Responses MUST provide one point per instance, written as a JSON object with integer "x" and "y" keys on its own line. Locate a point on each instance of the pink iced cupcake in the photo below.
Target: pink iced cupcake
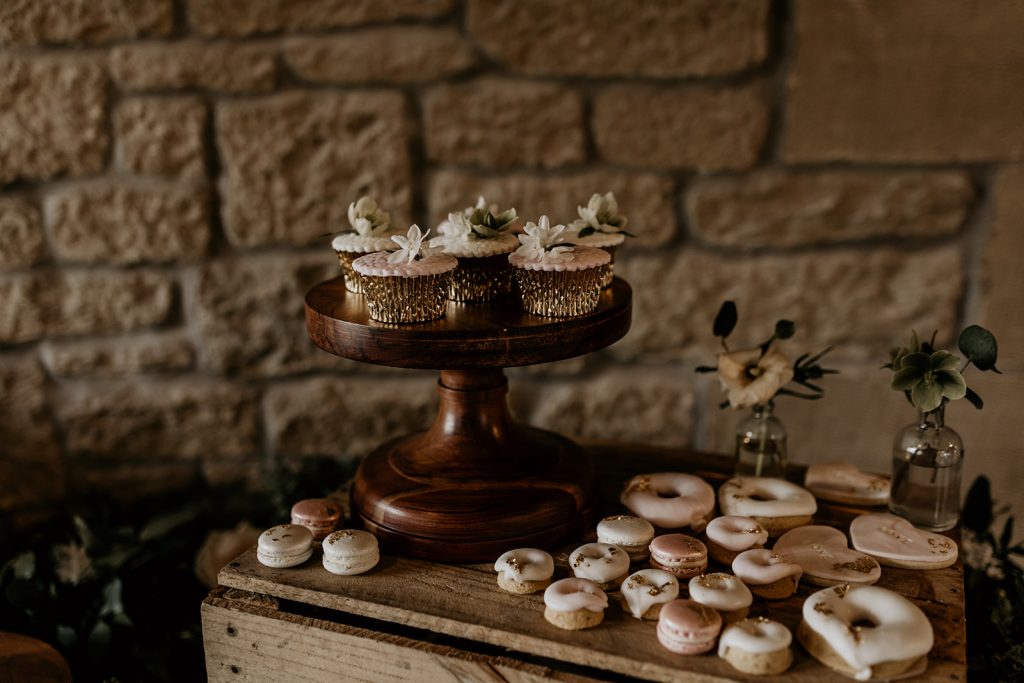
{"x": 601, "y": 226}
{"x": 687, "y": 627}
{"x": 371, "y": 232}
{"x": 479, "y": 238}
{"x": 409, "y": 285}
{"x": 555, "y": 278}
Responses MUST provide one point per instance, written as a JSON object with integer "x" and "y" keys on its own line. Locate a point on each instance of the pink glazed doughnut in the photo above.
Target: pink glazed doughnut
{"x": 670, "y": 500}
{"x": 687, "y": 627}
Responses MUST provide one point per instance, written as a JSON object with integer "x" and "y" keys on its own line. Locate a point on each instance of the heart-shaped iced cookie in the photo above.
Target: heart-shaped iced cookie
{"x": 841, "y": 482}
{"x": 895, "y": 542}
{"x": 825, "y": 557}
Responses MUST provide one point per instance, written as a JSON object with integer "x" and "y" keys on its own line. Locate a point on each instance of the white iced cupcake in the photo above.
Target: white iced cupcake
{"x": 479, "y": 238}
{"x": 556, "y": 278}
{"x": 601, "y": 226}
{"x": 409, "y": 285}
{"x": 371, "y": 232}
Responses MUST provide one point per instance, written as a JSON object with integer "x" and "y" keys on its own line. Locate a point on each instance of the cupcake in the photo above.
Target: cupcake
{"x": 371, "y": 232}
{"x": 479, "y": 238}
{"x": 601, "y": 226}
{"x": 409, "y": 285}
{"x": 555, "y": 278}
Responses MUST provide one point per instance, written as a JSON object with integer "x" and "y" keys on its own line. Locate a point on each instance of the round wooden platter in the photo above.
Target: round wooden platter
{"x": 476, "y": 483}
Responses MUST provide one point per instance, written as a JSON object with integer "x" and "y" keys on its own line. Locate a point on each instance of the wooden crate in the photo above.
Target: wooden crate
{"x": 411, "y": 620}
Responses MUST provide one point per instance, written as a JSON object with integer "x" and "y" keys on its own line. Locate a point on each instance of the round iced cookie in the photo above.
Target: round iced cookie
{"x": 843, "y": 482}
{"x": 574, "y": 604}
{"x": 687, "y": 627}
{"x": 679, "y": 554}
{"x": 632, "y": 534}
{"x": 603, "y": 563}
{"x": 758, "y": 646}
{"x": 826, "y": 560}
{"x": 725, "y": 592}
{"x": 775, "y": 504}
{"x": 524, "y": 570}
{"x": 350, "y": 551}
{"x": 865, "y": 632}
{"x": 730, "y": 535}
{"x": 895, "y": 542}
{"x": 670, "y": 500}
{"x": 767, "y": 574}
{"x": 644, "y": 592}
{"x": 285, "y": 545}
{"x": 319, "y": 515}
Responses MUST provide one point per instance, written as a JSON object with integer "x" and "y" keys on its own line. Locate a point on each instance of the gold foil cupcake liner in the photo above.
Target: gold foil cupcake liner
{"x": 353, "y": 280}
{"x": 609, "y": 273}
{"x": 483, "y": 278}
{"x": 560, "y": 294}
{"x": 407, "y": 299}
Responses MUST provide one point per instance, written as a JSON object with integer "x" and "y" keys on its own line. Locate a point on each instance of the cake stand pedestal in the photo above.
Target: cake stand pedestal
{"x": 476, "y": 483}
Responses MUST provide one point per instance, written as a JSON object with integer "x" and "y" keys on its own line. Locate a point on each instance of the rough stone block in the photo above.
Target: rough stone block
{"x": 648, "y": 200}
{"x": 346, "y": 417}
{"x": 82, "y": 22}
{"x": 1001, "y": 273}
{"x": 118, "y": 222}
{"x": 233, "y": 18}
{"x": 78, "y": 302}
{"x": 689, "y": 126}
{"x": 129, "y": 482}
{"x": 667, "y": 38}
{"x": 499, "y": 122}
{"x": 53, "y": 118}
{"x": 145, "y": 353}
{"x": 396, "y": 54}
{"x": 864, "y": 302}
{"x": 777, "y": 208}
{"x": 21, "y": 234}
{"x": 161, "y": 136}
{"x": 218, "y": 66}
{"x": 180, "y": 419}
{"x": 900, "y": 82}
{"x": 294, "y": 161}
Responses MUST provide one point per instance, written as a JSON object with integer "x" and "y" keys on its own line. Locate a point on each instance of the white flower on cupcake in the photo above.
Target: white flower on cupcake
{"x": 411, "y": 247}
{"x": 601, "y": 214}
{"x": 544, "y": 242}
{"x": 367, "y": 218}
{"x": 751, "y": 378}
{"x": 482, "y": 221}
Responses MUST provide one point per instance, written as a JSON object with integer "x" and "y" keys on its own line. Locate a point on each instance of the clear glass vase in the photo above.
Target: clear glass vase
{"x": 761, "y": 445}
{"x": 927, "y": 461}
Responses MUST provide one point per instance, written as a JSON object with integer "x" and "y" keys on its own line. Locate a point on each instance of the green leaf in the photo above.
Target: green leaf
{"x": 978, "y": 514}
{"x": 953, "y": 385}
{"x": 99, "y": 640}
{"x": 975, "y": 400}
{"x": 725, "y": 321}
{"x": 784, "y": 329}
{"x": 24, "y": 565}
{"x": 944, "y": 360}
{"x": 917, "y": 359}
{"x": 927, "y": 395}
{"x": 1007, "y": 536}
{"x": 979, "y": 345}
{"x": 907, "y": 378}
{"x": 67, "y": 637}
{"x": 586, "y": 232}
{"x": 705, "y": 368}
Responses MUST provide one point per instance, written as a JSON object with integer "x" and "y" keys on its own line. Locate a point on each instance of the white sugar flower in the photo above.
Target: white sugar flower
{"x": 752, "y": 377}
{"x": 601, "y": 214}
{"x": 367, "y": 218}
{"x": 411, "y": 247}
{"x": 544, "y": 242}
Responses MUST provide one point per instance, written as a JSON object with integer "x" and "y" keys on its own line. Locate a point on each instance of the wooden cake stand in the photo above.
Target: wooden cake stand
{"x": 476, "y": 483}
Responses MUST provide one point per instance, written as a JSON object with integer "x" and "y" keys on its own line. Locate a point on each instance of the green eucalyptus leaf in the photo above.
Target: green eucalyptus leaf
{"x": 953, "y": 385}
{"x": 99, "y": 640}
{"x": 907, "y": 378}
{"x": 927, "y": 395}
{"x": 725, "y": 321}
{"x": 67, "y": 637}
{"x": 979, "y": 345}
{"x": 784, "y": 329}
{"x": 915, "y": 344}
{"x": 1007, "y": 536}
{"x": 974, "y": 399}
{"x": 704, "y": 369}
{"x": 978, "y": 514}
{"x": 24, "y": 565}
{"x": 944, "y": 360}
{"x": 586, "y": 232}
{"x": 917, "y": 359}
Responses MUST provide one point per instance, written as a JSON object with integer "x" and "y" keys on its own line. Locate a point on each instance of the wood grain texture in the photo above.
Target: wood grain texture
{"x": 464, "y": 601}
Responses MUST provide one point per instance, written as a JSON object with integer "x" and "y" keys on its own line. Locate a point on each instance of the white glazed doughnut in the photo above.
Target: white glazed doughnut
{"x": 691, "y": 499}
{"x": 570, "y": 595}
{"x": 757, "y": 646}
{"x": 777, "y": 504}
{"x": 632, "y": 534}
{"x": 603, "y": 563}
{"x": 724, "y": 592}
{"x": 648, "y": 588}
{"x": 736, "y": 533}
{"x": 759, "y": 567}
{"x": 525, "y": 564}
{"x": 843, "y": 482}
{"x": 825, "y": 558}
{"x": 865, "y": 631}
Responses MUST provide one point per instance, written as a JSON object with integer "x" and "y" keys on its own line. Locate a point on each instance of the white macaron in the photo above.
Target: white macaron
{"x": 285, "y": 545}
{"x": 350, "y": 551}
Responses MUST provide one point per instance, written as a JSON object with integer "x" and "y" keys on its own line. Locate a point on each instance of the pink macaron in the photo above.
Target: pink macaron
{"x": 687, "y": 627}
{"x": 320, "y": 515}
{"x": 679, "y": 554}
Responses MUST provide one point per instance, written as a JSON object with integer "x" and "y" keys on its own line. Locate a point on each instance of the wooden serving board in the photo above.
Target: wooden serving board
{"x": 463, "y": 602}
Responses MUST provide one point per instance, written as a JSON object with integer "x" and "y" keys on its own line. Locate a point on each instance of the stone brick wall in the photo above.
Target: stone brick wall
{"x": 166, "y": 167}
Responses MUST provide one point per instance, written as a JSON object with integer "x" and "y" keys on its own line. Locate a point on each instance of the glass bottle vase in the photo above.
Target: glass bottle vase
{"x": 760, "y": 445}
{"x": 927, "y": 462}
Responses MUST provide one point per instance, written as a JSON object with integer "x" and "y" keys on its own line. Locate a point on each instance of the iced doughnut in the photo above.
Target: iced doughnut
{"x": 895, "y": 542}
{"x": 767, "y": 574}
{"x": 866, "y": 632}
{"x": 688, "y": 628}
{"x": 725, "y": 592}
{"x": 842, "y": 482}
{"x": 632, "y": 534}
{"x": 574, "y": 604}
{"x": 757, "y": 646}
{"x": 775, "y": 504}
{"x": 670, "y": 500}
{"x": 730, "y": 535}
{"x": 524, "y": 570}
{"x": 822, "y": 553}
{"x": 679, "y": 554}
{"x": 645, "y": 591}
{"x": 603, "y": 563}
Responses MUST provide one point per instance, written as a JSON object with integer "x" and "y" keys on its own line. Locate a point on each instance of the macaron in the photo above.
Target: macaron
{"x": 632, "y": 534}
{"x": 687, "y": 627}
{"x": 285, "y": 545}
{"x": 679, "y": 554}
{"x": 319, "y": 515}
{"x": 349, "y": 552}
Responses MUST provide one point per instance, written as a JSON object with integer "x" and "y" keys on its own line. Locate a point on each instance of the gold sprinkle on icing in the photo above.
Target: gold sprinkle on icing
{"x": 855, "y": 631}
{"x": 938, "y": 547}
{"x": 895, "y": 534}
{"x": 822, "y": 608}
{"x": 842, "y": 590}
{"x": 640, "y": 484}
{"x": 862, "y": 565}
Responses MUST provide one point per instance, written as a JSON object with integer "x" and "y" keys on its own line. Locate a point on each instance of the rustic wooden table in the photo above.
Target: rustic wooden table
{"x": 413, "y": 620}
